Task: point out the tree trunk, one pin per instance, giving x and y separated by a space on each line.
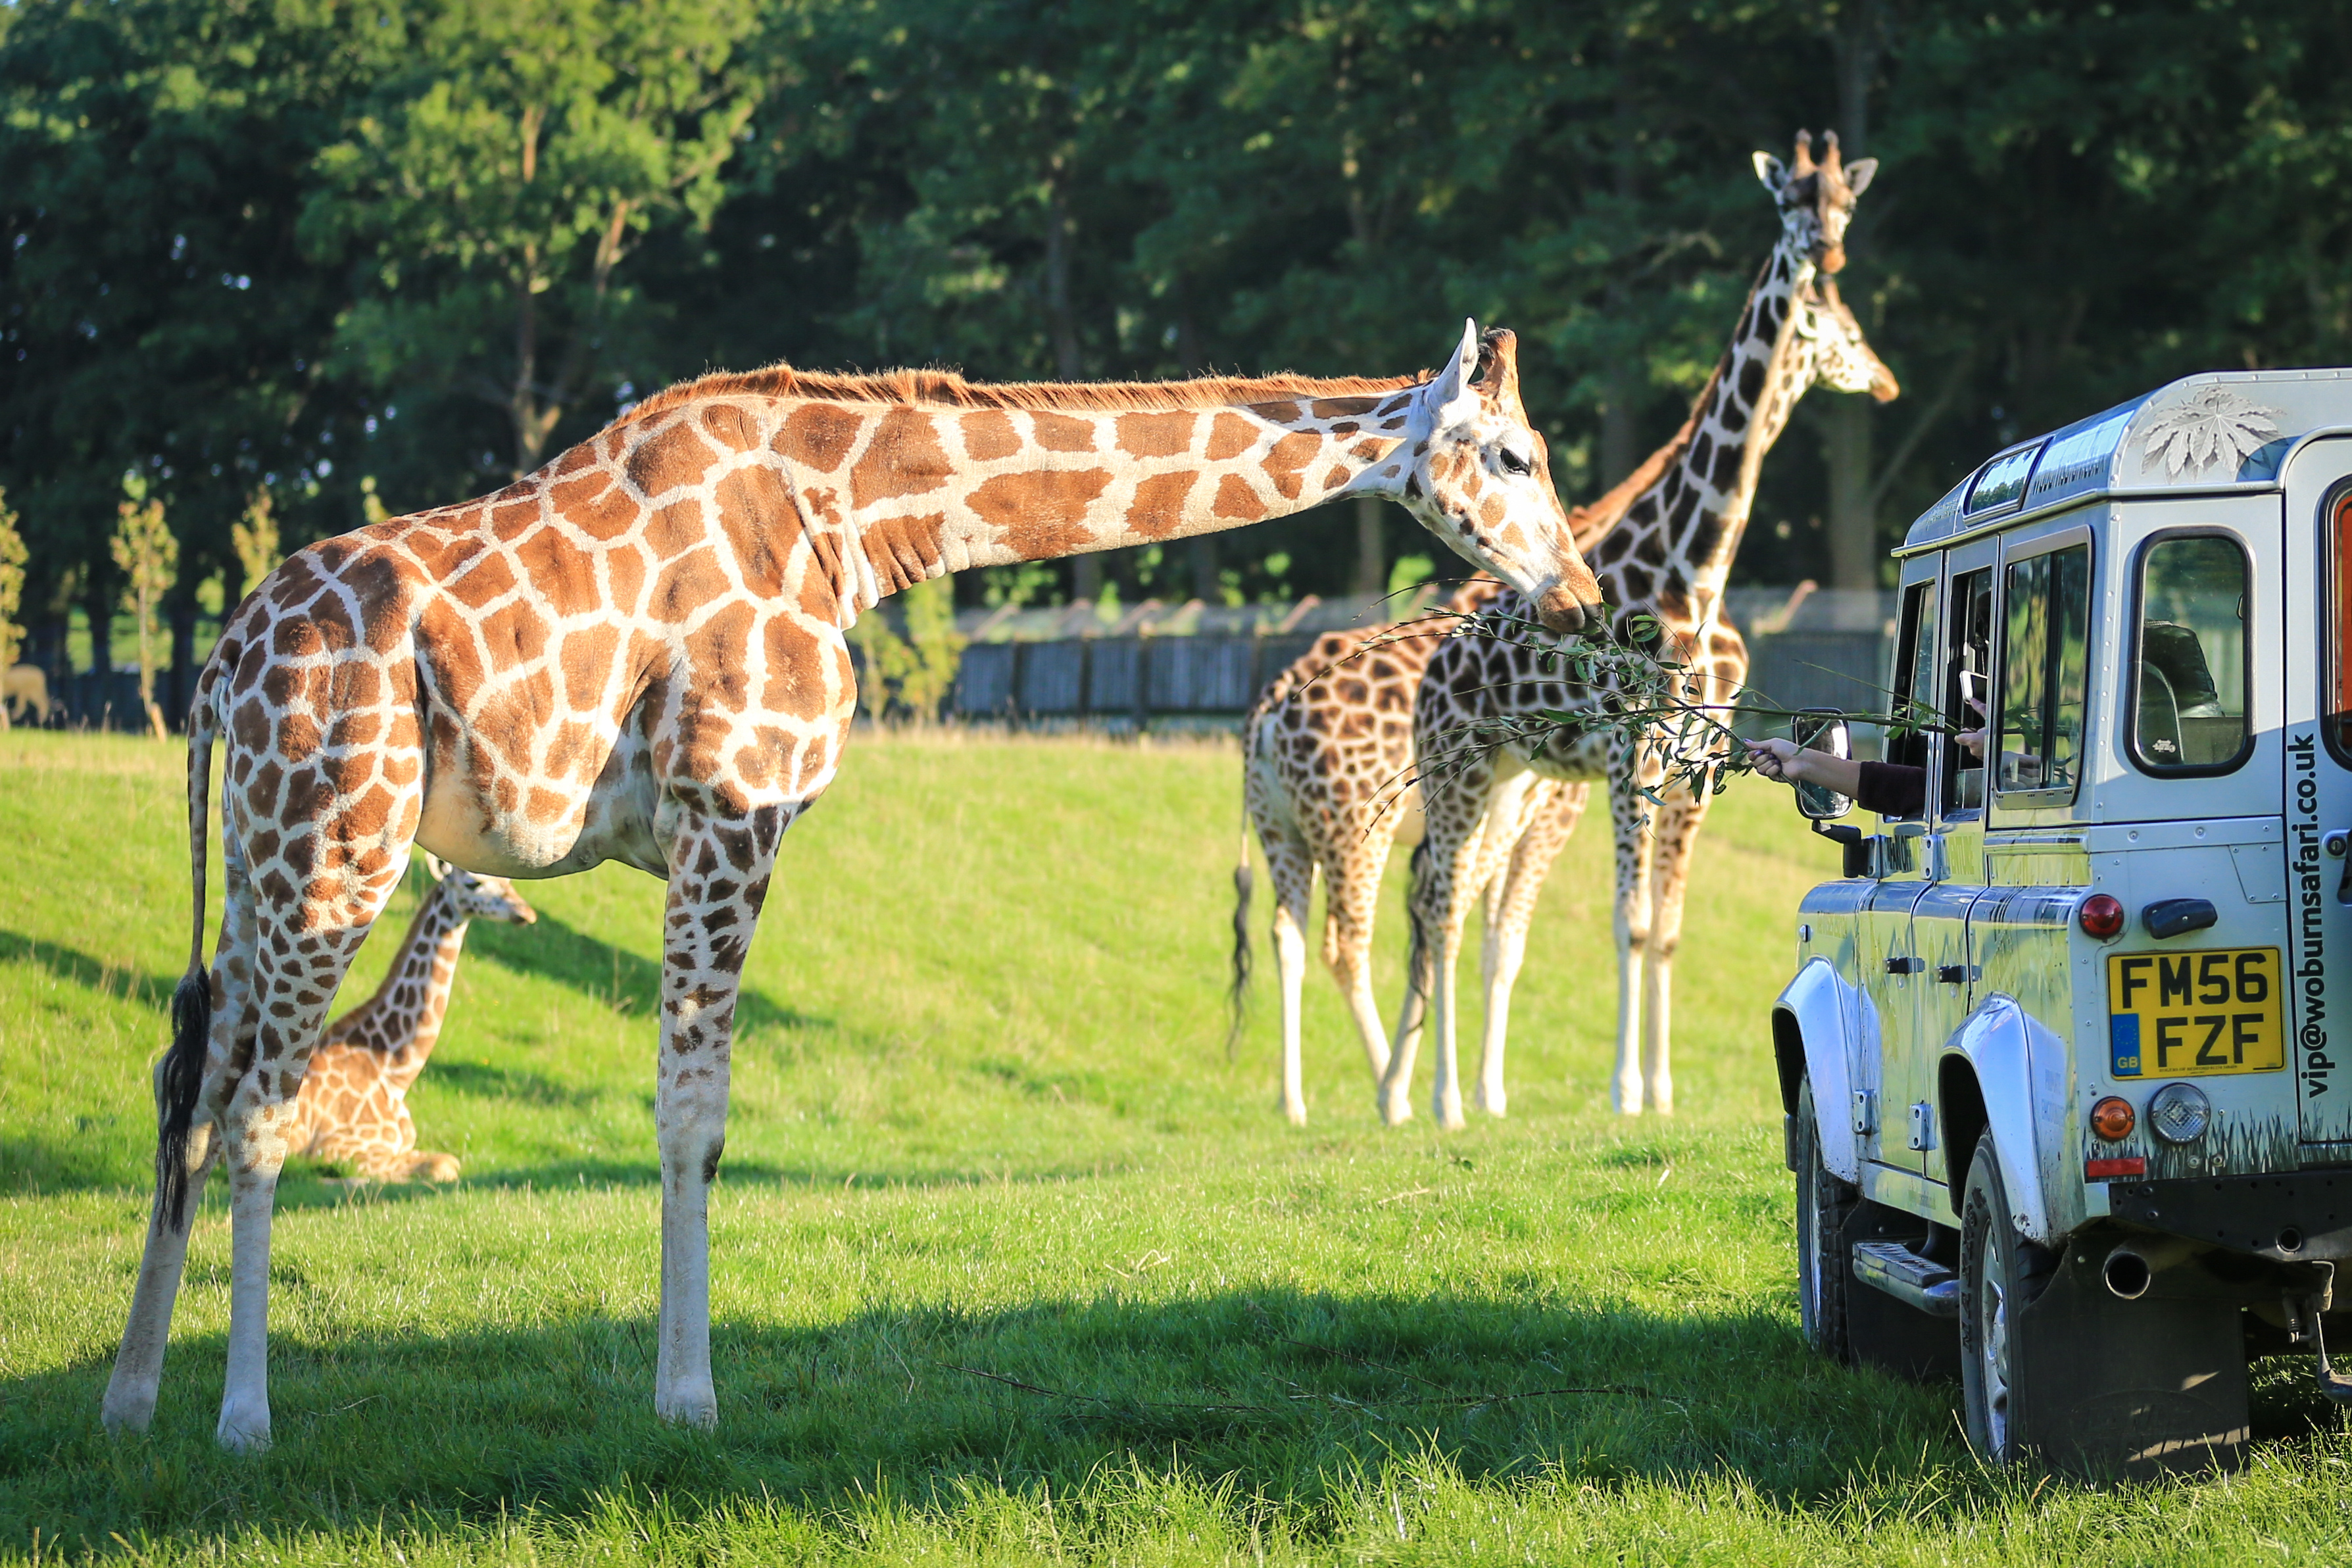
181 689
1372 554
1620 431
1854 551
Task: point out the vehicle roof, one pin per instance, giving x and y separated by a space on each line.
2223 431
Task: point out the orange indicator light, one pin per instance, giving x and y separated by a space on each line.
2112 1119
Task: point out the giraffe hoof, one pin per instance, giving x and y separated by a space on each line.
435 1168
1294 1114
1449 1115
127 1416
243 1432
695 1404
1396 1109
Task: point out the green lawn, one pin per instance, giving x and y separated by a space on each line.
984 1123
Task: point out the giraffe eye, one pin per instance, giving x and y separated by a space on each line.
1513 463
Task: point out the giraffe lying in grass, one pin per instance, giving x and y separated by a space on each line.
354 1105
637 653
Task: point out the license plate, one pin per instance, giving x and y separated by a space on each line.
2195 1014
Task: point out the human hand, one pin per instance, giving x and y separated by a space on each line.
1774 758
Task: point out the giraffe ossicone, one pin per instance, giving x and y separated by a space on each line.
352 1107
637 653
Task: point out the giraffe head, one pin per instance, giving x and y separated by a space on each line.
1837 354
1480 479
479 898
1816 200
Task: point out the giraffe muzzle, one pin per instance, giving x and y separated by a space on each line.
1563 614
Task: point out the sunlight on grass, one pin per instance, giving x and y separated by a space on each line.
1011 1263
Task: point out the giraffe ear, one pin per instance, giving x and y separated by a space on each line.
1454 383
1858 174
1772 172
435 867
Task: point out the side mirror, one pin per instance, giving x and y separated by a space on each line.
1822 731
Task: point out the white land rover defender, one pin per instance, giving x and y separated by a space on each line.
2067 1059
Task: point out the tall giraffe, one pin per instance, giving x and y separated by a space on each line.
1327 760
637 654
353 1103
1495 822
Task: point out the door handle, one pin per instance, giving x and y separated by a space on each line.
1957 973
1912 966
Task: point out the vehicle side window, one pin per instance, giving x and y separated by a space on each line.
2044 676
1968 691
2188 698
2339 609
1915 670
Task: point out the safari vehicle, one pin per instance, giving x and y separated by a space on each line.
2060 1056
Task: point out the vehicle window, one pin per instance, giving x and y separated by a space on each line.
1915 670
2045 628
1968 691
2188 708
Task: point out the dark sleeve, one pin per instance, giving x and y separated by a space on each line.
1890 789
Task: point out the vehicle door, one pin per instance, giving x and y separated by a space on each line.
2317 648
1891 968
1953 851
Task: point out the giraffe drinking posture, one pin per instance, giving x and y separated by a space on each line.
354 1105
1504 813
637 654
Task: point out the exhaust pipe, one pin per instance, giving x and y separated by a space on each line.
2133 1266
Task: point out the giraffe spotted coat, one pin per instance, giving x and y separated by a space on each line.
637 653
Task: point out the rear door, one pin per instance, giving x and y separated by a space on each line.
2317 649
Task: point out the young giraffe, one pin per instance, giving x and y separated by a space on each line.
1495 822
637 653
1327 760
353 1104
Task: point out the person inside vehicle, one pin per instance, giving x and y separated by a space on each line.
1890 789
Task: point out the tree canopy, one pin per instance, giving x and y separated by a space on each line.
319 251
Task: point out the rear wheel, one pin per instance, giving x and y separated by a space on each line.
2000 1275
1824 1204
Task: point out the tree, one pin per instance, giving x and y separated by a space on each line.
913 674
489 191
12 592
256 539
148 556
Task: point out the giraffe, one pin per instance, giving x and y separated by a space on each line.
1495 822
1326 752
637 653
353 1103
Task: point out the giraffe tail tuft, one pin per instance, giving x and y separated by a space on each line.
1416 958
180 1076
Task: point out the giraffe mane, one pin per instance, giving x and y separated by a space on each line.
949 389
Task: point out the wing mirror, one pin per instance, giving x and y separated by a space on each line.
1822 731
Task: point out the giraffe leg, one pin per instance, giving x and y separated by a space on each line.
718 882
303 954
131 1391
1293 869
1444 881
1631 814
1351 892
1510 910
1678 829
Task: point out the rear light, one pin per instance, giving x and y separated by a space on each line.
2108 1170
2112 1119
2178 1113
2102 915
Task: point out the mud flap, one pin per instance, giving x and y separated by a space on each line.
2109 1388
1894 1336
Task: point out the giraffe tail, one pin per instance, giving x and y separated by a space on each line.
180 1076
1416 956
1243 879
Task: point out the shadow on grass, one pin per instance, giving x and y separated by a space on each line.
1294 1397
622 980
93 974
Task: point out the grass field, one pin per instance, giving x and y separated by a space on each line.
1011 1263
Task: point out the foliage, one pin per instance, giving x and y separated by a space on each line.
491 185
254 538
911 675
12 584
148 555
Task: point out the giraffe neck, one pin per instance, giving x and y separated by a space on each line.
1672 552
907 493
402 1022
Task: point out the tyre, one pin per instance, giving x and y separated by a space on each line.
2001 1274
1824 1205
